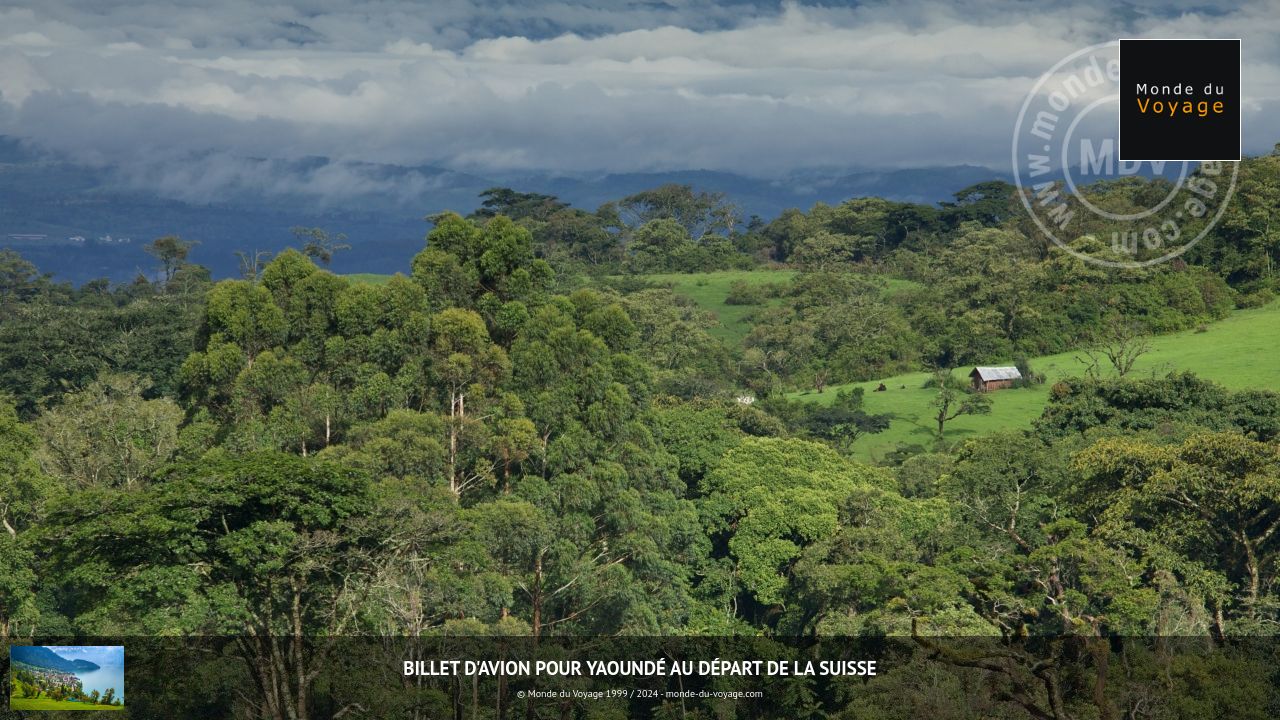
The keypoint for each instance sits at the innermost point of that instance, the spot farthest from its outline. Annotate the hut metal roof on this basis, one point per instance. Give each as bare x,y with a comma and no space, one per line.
996,373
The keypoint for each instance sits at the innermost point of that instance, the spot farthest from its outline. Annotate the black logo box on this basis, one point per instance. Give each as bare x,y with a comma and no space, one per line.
1187,64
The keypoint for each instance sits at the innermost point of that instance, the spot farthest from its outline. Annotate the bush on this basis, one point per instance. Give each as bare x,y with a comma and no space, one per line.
958,383
1255,299
743,293
1030,378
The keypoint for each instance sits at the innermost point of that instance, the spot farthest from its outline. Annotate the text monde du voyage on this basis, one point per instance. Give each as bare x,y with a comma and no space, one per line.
1175,100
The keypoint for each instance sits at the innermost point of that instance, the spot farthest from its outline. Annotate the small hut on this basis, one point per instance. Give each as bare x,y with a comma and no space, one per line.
986,379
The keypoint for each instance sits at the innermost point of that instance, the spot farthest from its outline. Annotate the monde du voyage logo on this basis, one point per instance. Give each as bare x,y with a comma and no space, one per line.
1164,110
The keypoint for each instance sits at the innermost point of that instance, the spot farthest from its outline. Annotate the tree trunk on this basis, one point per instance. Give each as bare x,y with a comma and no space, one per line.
457,412
502,696
1251,567
300,667
536,595
1219,633
1100,648
456,682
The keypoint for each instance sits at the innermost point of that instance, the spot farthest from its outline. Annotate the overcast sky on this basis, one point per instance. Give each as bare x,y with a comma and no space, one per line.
753,87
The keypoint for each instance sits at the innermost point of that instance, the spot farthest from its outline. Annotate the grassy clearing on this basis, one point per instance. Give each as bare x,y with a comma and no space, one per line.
47,704
44,702
709,290
1238,352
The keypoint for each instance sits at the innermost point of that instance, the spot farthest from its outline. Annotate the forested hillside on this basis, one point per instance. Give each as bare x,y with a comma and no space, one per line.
530,433
90,220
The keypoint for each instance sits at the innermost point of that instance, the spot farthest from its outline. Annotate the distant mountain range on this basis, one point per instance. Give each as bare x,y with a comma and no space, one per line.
43,657
82,221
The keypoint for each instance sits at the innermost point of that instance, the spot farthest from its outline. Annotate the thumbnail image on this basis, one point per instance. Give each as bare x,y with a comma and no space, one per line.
66,677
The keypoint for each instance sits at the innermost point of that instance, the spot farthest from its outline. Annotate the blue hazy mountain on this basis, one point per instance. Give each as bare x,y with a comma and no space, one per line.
81,221
43,657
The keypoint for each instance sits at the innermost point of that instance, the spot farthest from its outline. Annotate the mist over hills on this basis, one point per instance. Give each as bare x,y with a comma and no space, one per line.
82,221
43,657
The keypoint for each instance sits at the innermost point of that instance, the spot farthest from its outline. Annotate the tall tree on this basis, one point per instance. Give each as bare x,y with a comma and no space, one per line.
467,364
318,244
268,548
23,492
108,434
698,212
1213,501
770,498
171,251
19,279
246,314
1122,342
465,265
517,205
954,400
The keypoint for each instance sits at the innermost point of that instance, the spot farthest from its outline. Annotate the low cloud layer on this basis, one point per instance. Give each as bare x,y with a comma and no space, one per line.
754,88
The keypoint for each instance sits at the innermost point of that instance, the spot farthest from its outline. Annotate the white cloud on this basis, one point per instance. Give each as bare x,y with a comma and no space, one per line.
754,88
18,77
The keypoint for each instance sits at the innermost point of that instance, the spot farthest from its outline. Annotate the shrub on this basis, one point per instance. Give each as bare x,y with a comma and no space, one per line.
743,293
1255,299
1030,378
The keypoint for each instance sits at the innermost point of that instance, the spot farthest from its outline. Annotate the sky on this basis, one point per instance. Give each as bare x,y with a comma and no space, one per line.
758,88
105,655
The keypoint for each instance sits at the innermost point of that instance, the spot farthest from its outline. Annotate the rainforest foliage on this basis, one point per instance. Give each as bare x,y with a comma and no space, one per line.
523,436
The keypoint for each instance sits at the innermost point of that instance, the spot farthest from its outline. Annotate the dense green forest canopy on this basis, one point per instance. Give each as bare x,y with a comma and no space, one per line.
523,435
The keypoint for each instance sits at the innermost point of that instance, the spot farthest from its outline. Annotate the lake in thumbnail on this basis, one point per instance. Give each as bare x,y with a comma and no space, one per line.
104,677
